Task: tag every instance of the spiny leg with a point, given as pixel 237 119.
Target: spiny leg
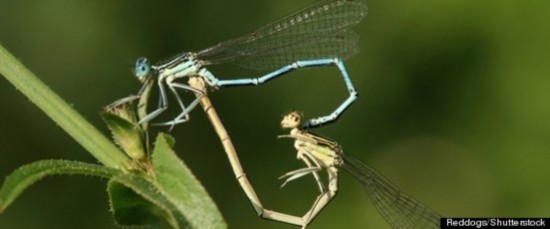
pixel 184 115
pixel 295 174
pixel 124 100
pixel 324 198
pixel 307 160
pixel 315 174
pixel 130 98
pixel 163 104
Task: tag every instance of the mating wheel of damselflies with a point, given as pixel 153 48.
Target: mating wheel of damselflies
pixel 318 35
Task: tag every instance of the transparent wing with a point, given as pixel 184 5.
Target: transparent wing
pixel 318 31
pixel 398 208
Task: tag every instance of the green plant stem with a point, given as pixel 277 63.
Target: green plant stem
pixel 61 113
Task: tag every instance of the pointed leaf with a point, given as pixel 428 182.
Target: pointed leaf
pixel 129 137
pixel 26 175
pixel 136 201
pixel 130 208
pixel 182 188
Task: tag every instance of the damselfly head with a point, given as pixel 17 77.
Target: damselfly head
pixel 142 69
pixel 291 120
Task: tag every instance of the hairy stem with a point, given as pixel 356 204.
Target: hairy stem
pixel 61 112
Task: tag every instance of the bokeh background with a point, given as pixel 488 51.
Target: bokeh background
pixel 453 108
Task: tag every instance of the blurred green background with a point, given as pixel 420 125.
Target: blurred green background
pixel 453 105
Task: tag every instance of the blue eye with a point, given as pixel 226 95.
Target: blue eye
pixel 142 68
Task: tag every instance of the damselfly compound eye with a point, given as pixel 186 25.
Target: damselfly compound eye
pixel 142 68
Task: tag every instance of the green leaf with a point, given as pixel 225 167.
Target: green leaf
pixel 143 103
pixel 181 187
pixel 136 201
pixel 173 195
pixel 129 137
pixel 23 177
pixel 61 112
pixel 130 208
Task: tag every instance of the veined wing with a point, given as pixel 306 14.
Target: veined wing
pixel 316 32
pixel 399 209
